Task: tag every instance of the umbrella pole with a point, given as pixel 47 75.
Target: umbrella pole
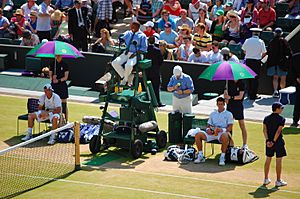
pixel 54 71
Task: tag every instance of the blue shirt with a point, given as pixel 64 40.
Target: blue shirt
pixel 3 20
pixel 161 23
pixel 186 83
pixel 139 37
pixel 64 3
pixel 169 38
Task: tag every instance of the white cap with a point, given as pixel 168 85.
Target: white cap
pixel 44 40
pixel 177 70
pixel 48 86
pixel 149 24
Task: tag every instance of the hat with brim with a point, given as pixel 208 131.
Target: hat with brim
pixel 229 4
pixel 149 24
pixel 19 12
pixel 168 25
pixel 220 13
pixel 255 30
pixel 177 70
pixel 33 13
pixel 232 13
pixel 48 87
pixel 184 27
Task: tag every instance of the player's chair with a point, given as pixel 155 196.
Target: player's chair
pixel 32 106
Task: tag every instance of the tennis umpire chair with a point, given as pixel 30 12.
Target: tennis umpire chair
pixel 32 106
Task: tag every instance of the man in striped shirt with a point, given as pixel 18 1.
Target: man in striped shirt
pixel 202 39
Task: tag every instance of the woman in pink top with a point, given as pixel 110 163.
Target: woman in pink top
pixel 249 10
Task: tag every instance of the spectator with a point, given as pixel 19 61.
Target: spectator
pixel 52 111
pixel 59 74
pixel 166 53
pixel 174 7
pixel 43 25
pixel 204 19
pixel 219 126
pixel 234 96
pixel 214 55
pixel 266 16
pixel 149 29
pixel 272 128
pixel 104 14
pixel 30 24
pixel 197 56
pixel 29 39
pixel 294 11
pixel 78 25
pixel 217 25
pixel 55 22
pixel 254 49
pixel 278 51
pixel 28 7
pixel 249 10
pixel 164 19
pixel 184 30
pixel 4 23
pixel 232 28
pixel 202 39
pixel 153 73
pixel 6 5
pixel 194 8
pixel 229 7
pixel 62 33
pixel 144 12
pixel 182 87
pixel 103 42
pixel 18 20
pixel 157 6
pixel 136 42
pixel 245 29
pixel 185 49
pixel 295 69
pixel 184 20
pixel 215 8
pixel 237 4
pixel 228 56
pixel 64 5
pixel 169 35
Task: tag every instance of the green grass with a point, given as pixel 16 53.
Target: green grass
pixel 150 177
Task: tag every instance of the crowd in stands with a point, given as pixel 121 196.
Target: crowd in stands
pixel 187 30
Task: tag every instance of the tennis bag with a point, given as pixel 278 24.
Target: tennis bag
pixel 180 153
pixel 240 156
pixel 65 136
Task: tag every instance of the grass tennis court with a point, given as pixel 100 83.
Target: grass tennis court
pixel 150 177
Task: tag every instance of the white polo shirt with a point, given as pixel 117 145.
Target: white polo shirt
pixel 51 103
pixel 220 119
pixel 254 47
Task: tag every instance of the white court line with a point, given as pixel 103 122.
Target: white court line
pixel 194 178
pixel 108 186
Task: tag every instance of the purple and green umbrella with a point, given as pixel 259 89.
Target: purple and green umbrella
pixel 227 70
pixel 52 48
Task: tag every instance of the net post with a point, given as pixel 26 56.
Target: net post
pixel 77 145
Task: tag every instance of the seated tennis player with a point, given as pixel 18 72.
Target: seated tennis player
pixel 52 111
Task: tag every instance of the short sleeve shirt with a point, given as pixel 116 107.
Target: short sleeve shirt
pixel 272 122
pixel 52 103
pixel 220 119
pixel 266 17
pixel 234 89
pixel 61 68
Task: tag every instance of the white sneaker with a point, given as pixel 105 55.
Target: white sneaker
pixel 267 181
pixel 51 139
pixel 199 159
pixel 222 161
pixel 280 183
pixel 27 137
pixel 245 146
pixel 275 94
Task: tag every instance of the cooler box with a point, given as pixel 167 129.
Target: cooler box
pixel 187 123
pixel 175 127
pixel 287 95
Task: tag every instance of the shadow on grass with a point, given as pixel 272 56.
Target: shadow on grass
pixel 263 192
pixel 17 140
pixel 290 131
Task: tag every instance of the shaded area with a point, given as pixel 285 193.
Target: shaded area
pixel 263 192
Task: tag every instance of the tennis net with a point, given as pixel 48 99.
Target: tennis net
pixel 33 163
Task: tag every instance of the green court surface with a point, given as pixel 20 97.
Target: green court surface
pixel 114 174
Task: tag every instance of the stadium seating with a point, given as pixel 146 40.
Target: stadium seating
pixel 237 50
pixel 281 9
pixel 267 36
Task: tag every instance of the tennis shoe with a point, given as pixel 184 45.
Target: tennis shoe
pixel 222 161
pixel 51 140
pixel 275 94
pixel 199 159
pixel 267 181
pixel 280 183
pixel 27 137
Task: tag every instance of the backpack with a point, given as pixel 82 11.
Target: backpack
pixel 240 156
pixel 180 153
